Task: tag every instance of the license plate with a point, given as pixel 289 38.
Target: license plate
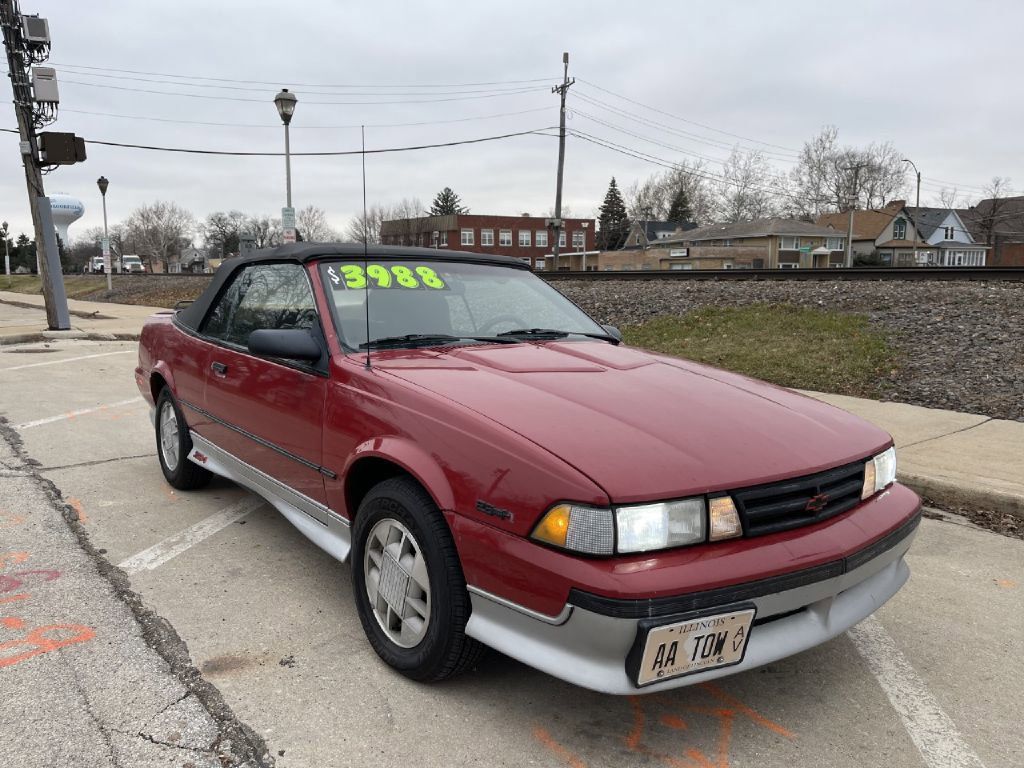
pixel 694 645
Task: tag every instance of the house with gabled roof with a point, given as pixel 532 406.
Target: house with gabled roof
pixel 949 241
pixel 644 232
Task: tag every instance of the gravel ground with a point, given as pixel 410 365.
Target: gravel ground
pixel 961 345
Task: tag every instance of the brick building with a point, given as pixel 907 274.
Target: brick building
pixel 523 237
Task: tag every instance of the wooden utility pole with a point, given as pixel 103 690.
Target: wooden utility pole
pixel 556 223
pixel 53 285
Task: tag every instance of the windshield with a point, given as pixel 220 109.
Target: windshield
pixel 444 298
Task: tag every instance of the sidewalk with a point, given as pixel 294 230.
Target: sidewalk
pixel 954 459
pixel 22 319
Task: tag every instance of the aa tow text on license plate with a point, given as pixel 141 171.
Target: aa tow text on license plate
pixel 695 645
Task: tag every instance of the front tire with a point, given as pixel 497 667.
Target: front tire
pixel 174 444
pixel 408 583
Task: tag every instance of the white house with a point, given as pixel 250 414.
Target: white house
pixel 944 231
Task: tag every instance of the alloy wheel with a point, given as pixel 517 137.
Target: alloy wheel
pixel 169 438
pixel 397 582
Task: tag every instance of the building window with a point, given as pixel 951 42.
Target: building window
pixel 789 243
pixel 540 238
pixel 524 238
pixel 635 242
pixel 834 243
pixel 467 237
pixel 561 238
pixel 486 237
pixel 949 232
pixel 444 239
pixel 899 229
pixel 505 237
pixel 577 239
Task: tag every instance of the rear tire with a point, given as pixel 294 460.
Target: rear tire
pixel 408 583
pixel 174 444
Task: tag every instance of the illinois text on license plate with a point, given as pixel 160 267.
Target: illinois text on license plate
pixel 694 645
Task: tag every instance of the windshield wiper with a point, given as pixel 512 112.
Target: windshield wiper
pixel 428 339
pixel 551 333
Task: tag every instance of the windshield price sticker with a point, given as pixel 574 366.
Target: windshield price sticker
pixel 410 277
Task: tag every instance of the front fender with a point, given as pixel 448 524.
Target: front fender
pixel 410 457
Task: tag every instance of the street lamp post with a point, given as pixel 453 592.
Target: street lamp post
pixel 285 102
pixel 917 205
pixel 102 183
pixel 7 250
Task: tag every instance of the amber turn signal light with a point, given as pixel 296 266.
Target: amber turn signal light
pixel 725 520
pixel 554 526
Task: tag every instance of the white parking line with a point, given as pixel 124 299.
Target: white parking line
pixel 68 360
pixel 933 733
pixel 172 546
pixel 73 414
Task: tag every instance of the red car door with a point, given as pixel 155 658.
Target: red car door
pixel 266 412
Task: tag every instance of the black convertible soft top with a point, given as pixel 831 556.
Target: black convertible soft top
pixel 192 315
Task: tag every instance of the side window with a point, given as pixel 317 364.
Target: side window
pixel 262 296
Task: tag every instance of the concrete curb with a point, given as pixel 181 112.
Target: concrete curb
pixel 74 312
pixel 946 492
pixel 30 338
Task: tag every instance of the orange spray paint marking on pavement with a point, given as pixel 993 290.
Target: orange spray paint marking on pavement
pixel 76 504
pixel 12 558
pixel 676 723
pixel 1006 583
pixel 746 711
pixel 9 519
pixel 38 640
pixel 563 754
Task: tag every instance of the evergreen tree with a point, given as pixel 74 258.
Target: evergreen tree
pixel 680 211
pixel 613 219
pixel 447 203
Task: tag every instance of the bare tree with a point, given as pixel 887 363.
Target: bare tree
pixel 406 210
pixel 311 222
pixel 747 189
pixel 948 198
pixel 829 177
pixel 652 199
pixel 157 231
pixel 221 232
pixel 265 231
pixel 996 193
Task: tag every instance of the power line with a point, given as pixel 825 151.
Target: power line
pixel 277 126
pixel 263 89
pixel 219 97
pixel 647 122
pixel 335 153
pixel 277 83
pixel 686 120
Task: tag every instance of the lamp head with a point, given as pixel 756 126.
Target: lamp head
pixel 285 102
pixel 102 183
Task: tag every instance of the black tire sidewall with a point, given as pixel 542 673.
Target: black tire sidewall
pixel 184 439
pixel 396 500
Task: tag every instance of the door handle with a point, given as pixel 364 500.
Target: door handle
pixel 219 368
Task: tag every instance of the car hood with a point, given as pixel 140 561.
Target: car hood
pixel 642 426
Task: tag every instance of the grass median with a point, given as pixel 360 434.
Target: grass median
pixel 787 345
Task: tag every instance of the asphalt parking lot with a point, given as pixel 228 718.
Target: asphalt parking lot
pixel 932 680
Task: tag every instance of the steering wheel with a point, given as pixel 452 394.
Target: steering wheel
pixel 519 322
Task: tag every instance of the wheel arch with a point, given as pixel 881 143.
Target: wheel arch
pixel 387 458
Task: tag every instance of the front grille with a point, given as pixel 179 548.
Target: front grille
pixel 804 500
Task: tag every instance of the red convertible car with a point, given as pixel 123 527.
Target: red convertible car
pixel 503 472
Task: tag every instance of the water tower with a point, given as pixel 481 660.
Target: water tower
pixel 66 211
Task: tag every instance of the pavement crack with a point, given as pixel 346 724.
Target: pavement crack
pixel 104 730
pixel 954 432
pixel 96 462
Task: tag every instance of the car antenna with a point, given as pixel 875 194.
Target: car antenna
pixel 366 257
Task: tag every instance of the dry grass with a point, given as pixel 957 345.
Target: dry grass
pixel 791 346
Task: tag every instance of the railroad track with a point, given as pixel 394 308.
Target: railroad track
pixel 859 273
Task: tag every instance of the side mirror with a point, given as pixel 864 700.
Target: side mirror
pixel 611 330
pixel 286 343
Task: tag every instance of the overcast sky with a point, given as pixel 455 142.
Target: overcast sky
pixel 940 80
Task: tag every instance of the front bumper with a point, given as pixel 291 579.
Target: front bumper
pixel 588 642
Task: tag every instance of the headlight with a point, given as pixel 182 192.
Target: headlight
pixel 658 526
pixel 636 528
pixel 879 472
